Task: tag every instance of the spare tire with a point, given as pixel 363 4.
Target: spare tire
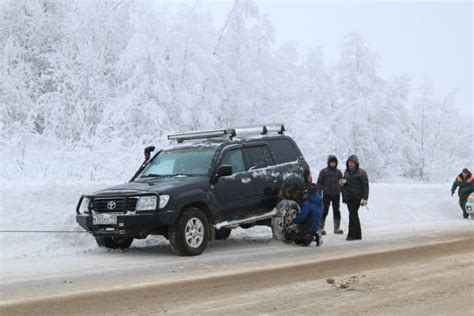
pixel 284 210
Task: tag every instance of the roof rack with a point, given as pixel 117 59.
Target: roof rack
pixel 230 132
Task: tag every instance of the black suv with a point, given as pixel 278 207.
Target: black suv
pixel 198 189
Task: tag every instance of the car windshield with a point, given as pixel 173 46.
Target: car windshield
pixel 180 162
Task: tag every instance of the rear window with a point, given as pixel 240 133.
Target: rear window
pixel 283 150
pixel 258 157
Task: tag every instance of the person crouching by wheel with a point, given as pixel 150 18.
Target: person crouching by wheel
pixel 355 193
pixel 308 219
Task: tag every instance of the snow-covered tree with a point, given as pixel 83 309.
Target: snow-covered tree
pixel 84 85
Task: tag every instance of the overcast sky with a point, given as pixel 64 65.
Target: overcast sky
pixel 425 39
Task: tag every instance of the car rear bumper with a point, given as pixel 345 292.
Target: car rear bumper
pixel 130 225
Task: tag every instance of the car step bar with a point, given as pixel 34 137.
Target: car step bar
pixel 248 220
pixel 230 132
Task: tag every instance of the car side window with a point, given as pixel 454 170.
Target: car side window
pixel 283 150
pixel 258 157
pixel 234 158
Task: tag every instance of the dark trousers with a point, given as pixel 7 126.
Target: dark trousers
pixel 355 231
pixel 327 200
pixel 462 203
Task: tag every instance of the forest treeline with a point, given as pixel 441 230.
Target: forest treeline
pixel 84 85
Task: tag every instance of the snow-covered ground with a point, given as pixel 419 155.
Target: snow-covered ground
pixel 51 206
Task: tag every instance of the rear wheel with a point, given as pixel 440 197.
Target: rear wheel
pixel 281 230
pixel 190 235
pixel 114 242
pixel 223 233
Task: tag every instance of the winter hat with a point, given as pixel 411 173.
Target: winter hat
pixel 467 171
pixel 314 189
pixel 332 158
pixel 291 192
pixel 354 159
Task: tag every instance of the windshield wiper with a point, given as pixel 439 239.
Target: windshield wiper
pixel 150 175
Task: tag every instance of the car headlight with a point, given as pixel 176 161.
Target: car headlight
pixel 84 208
pixel 146 203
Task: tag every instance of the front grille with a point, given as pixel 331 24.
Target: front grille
pixel 102 205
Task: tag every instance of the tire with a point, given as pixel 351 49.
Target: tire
pixel 280 229
pixel 114 242
pixel 190 235
pixel 223 233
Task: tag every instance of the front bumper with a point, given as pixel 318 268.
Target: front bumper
pixel 138 226
pixel 134 224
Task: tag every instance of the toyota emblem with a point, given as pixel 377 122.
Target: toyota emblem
pixel 111 205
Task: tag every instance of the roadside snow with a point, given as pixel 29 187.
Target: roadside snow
pixel 51 206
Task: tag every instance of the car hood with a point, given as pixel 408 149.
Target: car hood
pixel 155 185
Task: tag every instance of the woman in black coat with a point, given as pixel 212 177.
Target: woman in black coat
pixel 355 193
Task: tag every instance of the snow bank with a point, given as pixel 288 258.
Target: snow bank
pixel 51 206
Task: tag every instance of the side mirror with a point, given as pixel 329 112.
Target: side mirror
pixel 222 171
pixel 148 151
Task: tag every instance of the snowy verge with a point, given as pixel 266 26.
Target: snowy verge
pixel 51 206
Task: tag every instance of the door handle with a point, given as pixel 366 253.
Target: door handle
pixel 246 180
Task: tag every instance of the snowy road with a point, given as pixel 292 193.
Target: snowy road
pixel 119 283
pixel 37 269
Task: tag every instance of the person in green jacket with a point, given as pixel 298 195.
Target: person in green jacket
pixel 465 182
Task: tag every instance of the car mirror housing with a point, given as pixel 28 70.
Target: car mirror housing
pixel 222 171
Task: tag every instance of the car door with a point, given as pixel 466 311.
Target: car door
pixel 264 177
pixel 234 193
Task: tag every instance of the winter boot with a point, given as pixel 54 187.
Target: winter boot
pixel 321 227
pixel 318 239
pixel 337 225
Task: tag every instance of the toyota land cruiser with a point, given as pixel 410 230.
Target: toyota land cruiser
pixel 198 189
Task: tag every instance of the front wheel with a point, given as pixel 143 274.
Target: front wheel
pixel 114 242
pixel 190 235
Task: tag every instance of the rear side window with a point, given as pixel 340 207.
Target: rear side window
pixel 282 150
pixel 258 157
pixel 234 158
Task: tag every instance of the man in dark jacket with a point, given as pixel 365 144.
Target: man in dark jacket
pixel 328 182
pixel 465 182
pixel 355 194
